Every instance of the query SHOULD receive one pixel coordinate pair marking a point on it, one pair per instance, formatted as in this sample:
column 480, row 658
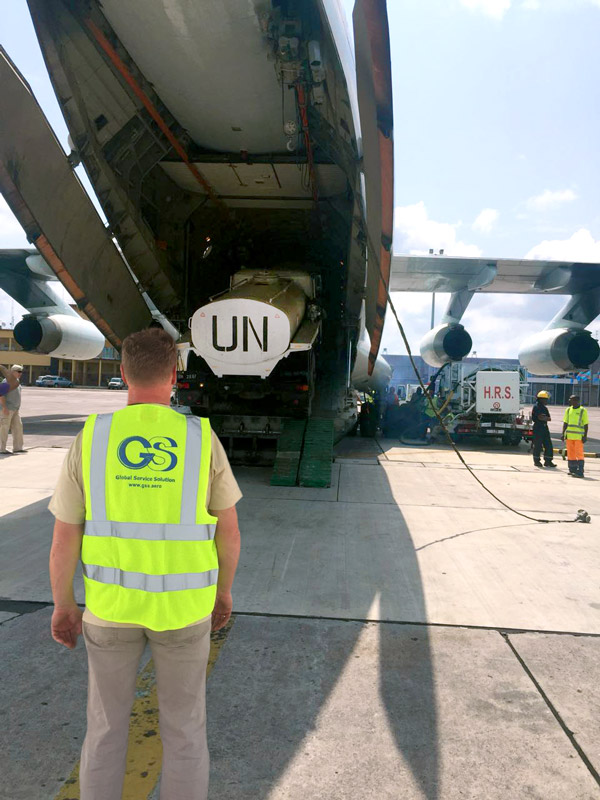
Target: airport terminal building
column 94, row 372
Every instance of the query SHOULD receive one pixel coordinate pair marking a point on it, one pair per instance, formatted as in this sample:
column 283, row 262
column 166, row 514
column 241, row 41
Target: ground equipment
column 486, row 401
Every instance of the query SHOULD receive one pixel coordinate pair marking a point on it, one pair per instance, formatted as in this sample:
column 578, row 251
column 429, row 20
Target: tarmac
column 401, row 634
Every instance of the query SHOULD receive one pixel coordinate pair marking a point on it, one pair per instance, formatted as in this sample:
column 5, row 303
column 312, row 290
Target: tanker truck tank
column 259, row 321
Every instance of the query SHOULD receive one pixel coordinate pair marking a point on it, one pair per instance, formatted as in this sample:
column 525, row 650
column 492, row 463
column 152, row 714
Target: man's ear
column 123, row 374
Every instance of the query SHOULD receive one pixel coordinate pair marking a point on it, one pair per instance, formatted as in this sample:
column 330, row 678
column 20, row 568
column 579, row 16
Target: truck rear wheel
column 511, row 438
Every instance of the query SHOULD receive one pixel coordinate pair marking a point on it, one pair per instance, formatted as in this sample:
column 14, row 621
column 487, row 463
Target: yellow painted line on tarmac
column 144, row 750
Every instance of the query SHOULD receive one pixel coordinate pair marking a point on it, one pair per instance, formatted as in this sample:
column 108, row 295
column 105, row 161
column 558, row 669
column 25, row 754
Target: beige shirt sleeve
column 223, row 490
column 68, row 501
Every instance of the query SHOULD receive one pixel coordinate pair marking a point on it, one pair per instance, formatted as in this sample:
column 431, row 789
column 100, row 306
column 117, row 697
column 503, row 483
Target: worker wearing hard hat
column 541, row 434
column 575, row 429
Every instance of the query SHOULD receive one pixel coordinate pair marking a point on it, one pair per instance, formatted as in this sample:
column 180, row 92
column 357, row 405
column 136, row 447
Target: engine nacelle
column 559, row 350
column 447, row 342
column 60, row 335
column 382, row 372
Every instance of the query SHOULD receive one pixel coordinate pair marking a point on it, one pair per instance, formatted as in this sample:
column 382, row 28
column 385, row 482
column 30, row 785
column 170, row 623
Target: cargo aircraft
column 242, row 153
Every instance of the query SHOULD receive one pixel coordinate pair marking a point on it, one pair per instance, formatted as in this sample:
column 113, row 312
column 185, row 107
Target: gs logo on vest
column 136, row 452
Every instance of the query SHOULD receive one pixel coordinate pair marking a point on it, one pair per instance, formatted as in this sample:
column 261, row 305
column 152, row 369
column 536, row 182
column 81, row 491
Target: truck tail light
column 183, row 385
column 303, row 387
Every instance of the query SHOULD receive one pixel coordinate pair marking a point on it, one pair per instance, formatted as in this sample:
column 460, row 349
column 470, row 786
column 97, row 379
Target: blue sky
column 496, row 139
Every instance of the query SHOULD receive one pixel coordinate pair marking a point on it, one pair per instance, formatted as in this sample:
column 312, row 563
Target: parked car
column 54, row 380
column 117, row 383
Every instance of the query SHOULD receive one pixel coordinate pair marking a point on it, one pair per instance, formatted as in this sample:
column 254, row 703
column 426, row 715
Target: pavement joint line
column 401, row 504
column 144, row 749
column 363, row 620
column 566, row 730
column 502, row 629
column 22, row 606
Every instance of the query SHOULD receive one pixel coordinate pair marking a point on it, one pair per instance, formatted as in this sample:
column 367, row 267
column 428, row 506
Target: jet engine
column 447, row 342
column 60, row 335
column 559, row 350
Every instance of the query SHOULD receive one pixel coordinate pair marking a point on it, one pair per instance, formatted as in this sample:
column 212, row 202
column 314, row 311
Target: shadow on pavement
column 283, row 682
column 26, row 512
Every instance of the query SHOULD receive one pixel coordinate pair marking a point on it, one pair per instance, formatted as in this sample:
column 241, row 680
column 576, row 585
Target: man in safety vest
column 541, row 434
column 575, row 430
column 146, row 499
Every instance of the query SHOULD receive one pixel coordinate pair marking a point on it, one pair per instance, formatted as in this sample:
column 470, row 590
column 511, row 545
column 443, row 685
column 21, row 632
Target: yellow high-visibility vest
column 148, row 551
column 576, row 420
column 428, row 409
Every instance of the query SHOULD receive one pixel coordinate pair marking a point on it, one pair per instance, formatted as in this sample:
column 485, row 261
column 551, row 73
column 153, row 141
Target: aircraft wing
column 25, row 276
column 502, row 275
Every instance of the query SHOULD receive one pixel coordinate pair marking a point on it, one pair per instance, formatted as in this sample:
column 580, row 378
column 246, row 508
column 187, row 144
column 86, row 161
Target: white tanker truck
column 255, row 358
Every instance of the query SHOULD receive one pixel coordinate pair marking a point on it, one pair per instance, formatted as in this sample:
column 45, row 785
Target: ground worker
column 430, row 407
column 10, row 382
column 575, row 430
column 541, row 435
column 10, row 419
column 391, row 398
column 146, row 498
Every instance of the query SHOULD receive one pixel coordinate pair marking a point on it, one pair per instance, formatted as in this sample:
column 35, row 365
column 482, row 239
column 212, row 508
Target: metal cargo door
column 374, row 84
column 58, row 217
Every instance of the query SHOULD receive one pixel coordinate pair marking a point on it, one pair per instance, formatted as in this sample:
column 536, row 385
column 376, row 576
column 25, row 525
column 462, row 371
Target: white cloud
column 486, row 220
column 548, row 200
column 531, row 5
column 415, row 233
column 493, row 8
column 581, row 246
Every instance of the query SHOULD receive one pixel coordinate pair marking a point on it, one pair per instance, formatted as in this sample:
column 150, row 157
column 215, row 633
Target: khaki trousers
column 11, row 423
column 180, row 659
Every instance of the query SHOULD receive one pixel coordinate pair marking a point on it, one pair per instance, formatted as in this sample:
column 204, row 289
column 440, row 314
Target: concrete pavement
column 400, row 634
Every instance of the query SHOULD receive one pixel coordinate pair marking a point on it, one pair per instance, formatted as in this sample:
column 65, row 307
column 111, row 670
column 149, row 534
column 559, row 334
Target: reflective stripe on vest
column 151, row 583
column 150, row 531
column 159, row 574
column 575, row 427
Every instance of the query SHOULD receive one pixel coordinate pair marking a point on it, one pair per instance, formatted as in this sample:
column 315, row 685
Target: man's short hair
column 148, row 356
column 574, row 397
